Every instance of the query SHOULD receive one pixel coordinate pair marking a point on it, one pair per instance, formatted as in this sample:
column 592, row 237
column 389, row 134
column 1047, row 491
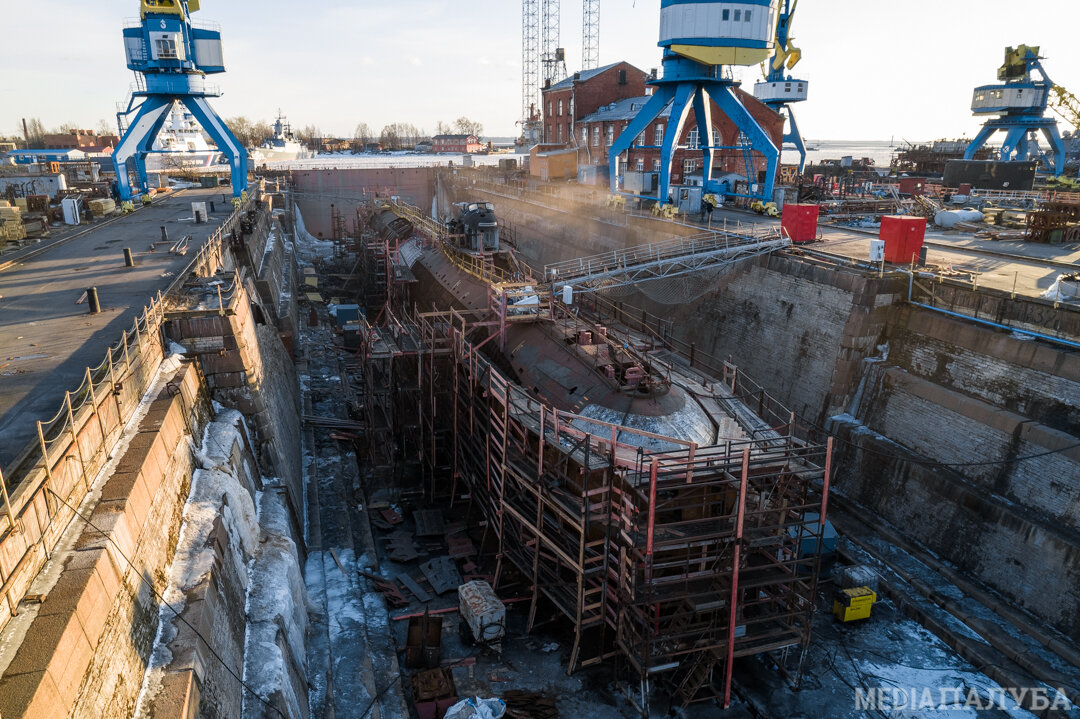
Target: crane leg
column 680, row 108
column 1013, row 141
column 1058, row 146
column 703, row 116
column 980, row 140
column 137, row 141
column 225, row 140
column 759, row 139
column 638, row 125
column 795, row 137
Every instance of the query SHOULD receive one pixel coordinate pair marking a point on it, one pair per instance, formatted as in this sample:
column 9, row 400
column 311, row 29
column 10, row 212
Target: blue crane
column 779, row 89
column 1019, row 106
column 702, row 41
column 174, row 56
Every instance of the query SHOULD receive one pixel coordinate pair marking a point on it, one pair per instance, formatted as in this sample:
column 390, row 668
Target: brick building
column 456, row 143
column 583, row 93
column 597, row 131
column 85, row 140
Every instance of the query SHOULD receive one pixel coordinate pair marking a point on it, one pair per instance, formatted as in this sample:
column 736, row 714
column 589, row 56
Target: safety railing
column 677, row 249
column 106, row 398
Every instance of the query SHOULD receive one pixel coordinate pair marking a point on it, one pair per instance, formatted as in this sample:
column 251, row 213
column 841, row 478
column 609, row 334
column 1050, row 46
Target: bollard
column 164, row 234
column 92, row 300
column 129, row 261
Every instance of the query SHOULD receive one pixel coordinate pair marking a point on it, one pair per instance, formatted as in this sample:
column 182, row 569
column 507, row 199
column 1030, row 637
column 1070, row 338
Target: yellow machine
column 769, row 209
column 616, row 201
column 850, row 605
column 167, row 7
column 666, row 211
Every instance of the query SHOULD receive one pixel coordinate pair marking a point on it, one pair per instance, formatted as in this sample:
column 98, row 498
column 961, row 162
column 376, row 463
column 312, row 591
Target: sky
column 877, row 69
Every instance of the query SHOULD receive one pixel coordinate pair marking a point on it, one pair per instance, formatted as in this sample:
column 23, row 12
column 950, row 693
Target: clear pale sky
column 877, row 69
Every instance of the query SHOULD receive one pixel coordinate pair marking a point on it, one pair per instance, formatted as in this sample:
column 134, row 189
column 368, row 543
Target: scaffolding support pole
column 732, row 615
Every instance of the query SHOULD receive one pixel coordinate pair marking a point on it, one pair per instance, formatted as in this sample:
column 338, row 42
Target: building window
column 692, row 139
column 584, row 136
column 658, row 135
column 716, row 138
column 596, row 136
column 550, row 113
column 560, row 134
column 640, row 164
column 725, row 15
column 550, row 134
column 689, row 166
column 610, row 135
column 640, row 142
column 746, row 16
column 560, row 108
column 738, row 15
column 656, row 165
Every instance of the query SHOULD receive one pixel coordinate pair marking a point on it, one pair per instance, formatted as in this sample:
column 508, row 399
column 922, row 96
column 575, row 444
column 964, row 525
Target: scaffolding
column 669, row 557
column 675, row 561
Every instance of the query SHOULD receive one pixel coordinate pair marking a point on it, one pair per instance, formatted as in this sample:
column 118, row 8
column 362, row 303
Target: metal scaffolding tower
column 552, row 57
column 590, row 35
column 530, row 61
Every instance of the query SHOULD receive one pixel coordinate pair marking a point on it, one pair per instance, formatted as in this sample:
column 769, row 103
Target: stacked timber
column 102, row 207
column 11, row 226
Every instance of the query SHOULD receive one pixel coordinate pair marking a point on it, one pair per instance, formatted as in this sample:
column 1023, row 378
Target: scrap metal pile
column 1056, row 222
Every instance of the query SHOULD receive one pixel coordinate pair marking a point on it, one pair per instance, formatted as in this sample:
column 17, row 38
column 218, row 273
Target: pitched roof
column 622, row 110
column 568, row 82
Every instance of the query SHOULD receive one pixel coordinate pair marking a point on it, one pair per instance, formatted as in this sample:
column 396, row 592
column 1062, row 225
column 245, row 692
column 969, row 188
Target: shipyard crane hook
column 780, row 91
column 173, row 56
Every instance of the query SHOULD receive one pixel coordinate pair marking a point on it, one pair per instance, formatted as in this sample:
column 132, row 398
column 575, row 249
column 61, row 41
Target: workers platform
column 48, row 337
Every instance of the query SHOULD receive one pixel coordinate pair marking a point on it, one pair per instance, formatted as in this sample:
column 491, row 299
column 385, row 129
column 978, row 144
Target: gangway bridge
column 663, row 260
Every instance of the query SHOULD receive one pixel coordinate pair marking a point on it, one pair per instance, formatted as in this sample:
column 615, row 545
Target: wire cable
column 171, row 608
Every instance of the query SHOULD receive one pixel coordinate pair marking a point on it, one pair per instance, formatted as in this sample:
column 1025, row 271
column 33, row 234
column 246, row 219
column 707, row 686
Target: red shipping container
column 903, row 236
column 800, row 222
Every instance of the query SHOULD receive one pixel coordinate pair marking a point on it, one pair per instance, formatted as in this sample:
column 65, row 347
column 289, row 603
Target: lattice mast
column 590, row 35
column 552, row 57
column 530, row 62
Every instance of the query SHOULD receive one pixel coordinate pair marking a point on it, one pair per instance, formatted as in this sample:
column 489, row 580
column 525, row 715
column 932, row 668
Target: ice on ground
column 217, row 494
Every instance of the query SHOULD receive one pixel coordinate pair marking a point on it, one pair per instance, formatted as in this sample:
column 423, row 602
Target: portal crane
column 779, row 90
column 1020, row 105
column 173, row 56
column 701, row 42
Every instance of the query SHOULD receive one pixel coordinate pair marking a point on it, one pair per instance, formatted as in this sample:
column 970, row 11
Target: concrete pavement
column 47, row 340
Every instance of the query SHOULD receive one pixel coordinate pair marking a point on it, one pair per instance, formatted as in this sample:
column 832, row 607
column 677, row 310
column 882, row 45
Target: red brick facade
column 601, row 133
column 568, row 101
column 456, row 143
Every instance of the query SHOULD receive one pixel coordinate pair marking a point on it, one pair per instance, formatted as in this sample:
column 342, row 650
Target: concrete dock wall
column 84, row 652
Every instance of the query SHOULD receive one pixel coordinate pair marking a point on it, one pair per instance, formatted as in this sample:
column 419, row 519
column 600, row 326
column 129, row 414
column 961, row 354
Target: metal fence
column 104, row 402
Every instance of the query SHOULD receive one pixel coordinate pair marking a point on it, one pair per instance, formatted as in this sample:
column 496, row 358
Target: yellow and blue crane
column 702, row 41
column 779, row 90
column 173, row 55
column 1018, row 107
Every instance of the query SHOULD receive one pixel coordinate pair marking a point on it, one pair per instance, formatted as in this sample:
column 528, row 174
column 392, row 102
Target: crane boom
column 1065, row 104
